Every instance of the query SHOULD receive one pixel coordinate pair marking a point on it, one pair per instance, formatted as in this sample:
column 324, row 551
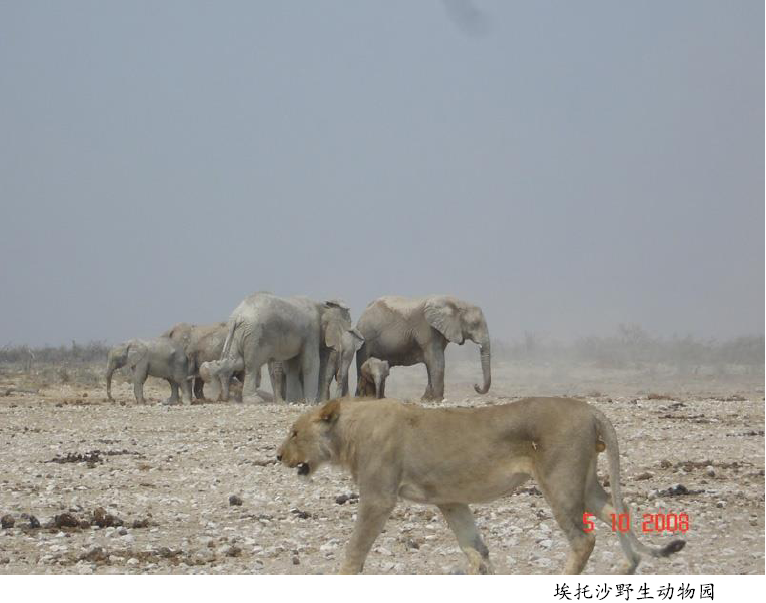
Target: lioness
column 451, row 457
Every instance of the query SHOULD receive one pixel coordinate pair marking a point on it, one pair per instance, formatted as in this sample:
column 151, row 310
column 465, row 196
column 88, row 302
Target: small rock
column 66, row 520
column 412, row 544
column 140, row 523
column 721, row 504
column 233, row 551
column 709, row 471
column 104, row 520
column 95, row 555
column 645, row 475
column 342, row 499
column 7, row 521
column 666, row 464
column 296, row 561
column 34, row 523
column 235, row 501
column 132, row 561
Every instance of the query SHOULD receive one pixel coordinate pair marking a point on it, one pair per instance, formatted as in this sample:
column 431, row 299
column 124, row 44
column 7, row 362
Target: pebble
column 7, row 521
column 235, row 501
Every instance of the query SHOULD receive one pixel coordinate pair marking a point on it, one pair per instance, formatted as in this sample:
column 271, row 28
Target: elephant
column 159, row 357
column 296, row 331
column 201, row 343
column 340, row 362
column 406, row 331
column 373, row 378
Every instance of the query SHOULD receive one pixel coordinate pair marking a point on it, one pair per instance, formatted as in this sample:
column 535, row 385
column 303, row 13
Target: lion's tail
column 609, row 436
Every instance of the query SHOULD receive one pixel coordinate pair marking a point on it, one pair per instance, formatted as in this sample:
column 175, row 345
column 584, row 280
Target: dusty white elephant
column 373, row 378
column 407, row 331
column 159, row 357
column 296, row 331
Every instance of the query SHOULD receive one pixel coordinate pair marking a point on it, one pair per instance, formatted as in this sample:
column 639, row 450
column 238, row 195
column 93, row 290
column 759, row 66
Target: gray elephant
column 408, row 331
column 296, row 331
column 160, row 357
column 340, row 362
column 372, row 379
column 201, row 343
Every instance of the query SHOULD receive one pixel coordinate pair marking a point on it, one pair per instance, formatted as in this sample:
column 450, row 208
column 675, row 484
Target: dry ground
column 175, row 468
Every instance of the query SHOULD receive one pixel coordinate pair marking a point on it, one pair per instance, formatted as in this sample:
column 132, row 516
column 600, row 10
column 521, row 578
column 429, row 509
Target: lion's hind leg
column 598, row 503
column 460, row 520
column 564, row 491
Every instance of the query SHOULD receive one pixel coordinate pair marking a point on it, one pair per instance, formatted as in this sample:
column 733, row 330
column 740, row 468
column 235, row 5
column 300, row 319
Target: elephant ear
column 336, row 303
column 136, row 351
column 357, row 338
column 445, row 318
column 333, row 333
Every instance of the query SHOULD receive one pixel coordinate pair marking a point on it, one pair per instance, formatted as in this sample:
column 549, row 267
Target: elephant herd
column 306, row 344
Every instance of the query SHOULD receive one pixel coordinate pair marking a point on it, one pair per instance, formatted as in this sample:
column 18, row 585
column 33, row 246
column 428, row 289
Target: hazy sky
column 567, row 165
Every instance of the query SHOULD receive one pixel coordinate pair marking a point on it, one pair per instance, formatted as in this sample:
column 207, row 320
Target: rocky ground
column 92, row 486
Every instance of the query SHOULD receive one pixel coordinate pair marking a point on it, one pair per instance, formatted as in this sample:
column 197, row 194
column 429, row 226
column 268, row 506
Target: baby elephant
column 372, row 381
column 160, row 357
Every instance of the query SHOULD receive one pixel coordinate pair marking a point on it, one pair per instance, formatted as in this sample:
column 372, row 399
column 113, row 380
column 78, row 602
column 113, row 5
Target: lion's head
column 309, row 443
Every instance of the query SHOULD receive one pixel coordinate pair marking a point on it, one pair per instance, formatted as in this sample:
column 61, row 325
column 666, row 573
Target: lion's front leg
column 370, row 519
column 461, row 522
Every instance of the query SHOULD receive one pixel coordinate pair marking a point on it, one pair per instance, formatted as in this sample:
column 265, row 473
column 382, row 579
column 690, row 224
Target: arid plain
column 121, row 488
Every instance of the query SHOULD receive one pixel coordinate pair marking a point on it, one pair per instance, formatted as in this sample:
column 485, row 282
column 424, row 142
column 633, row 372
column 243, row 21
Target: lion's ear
column 330, row 412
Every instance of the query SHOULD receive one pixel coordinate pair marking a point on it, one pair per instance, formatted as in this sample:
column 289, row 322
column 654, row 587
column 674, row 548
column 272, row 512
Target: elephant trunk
column 485, row 354
column 110, row 368
column 377, row 387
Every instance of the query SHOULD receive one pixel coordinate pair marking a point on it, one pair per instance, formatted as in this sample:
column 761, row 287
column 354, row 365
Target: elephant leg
column 382, row 391
column 254, row 360
column 186, row 389
column 434, row 358
column 327, row 366
column 310, row 374
column 276, row 376
column 258, row 378
column 292, row 383
column 173, row 392
column 427, row 395
column 199, row 385
column 140, row 373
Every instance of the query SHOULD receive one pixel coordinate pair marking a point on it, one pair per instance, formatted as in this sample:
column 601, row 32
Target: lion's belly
column 467, row 487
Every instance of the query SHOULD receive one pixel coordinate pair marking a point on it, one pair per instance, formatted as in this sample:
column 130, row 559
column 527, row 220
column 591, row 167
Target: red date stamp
column 650, row 523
